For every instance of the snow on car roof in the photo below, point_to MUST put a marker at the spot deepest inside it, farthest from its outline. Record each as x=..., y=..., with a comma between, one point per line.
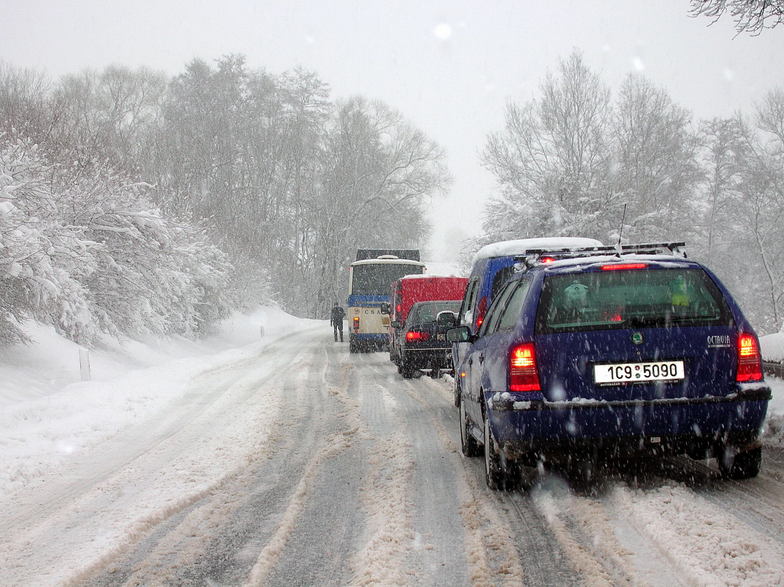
x=520, y=246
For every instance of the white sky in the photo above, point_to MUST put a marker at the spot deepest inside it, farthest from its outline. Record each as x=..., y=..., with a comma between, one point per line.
x=449, y=66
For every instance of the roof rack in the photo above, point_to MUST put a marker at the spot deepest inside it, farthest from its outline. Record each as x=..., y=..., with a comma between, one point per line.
x=531, y=257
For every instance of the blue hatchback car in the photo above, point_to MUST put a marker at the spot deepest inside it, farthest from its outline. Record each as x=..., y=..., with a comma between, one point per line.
x=642, y=352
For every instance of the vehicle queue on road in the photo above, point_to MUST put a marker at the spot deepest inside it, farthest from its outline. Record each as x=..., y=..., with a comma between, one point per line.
x=568, y=351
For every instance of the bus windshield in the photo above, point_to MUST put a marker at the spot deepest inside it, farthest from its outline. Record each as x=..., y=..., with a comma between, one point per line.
x=376, y=279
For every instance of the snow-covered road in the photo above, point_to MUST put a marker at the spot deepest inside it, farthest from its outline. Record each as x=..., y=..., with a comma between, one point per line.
x=295, y=462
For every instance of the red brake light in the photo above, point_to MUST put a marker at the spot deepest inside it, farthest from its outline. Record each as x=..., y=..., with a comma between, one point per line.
x=621, y=266
x=523, y=374
x=356, y=322
x=547, y=260
x=749, y=358
x=480, y=312
x=413, y=335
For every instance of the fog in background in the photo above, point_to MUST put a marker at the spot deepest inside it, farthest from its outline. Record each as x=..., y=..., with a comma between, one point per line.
x=448, y=67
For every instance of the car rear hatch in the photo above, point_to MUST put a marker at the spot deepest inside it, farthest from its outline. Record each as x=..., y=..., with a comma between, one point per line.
x=424, y=330
x=631, y=332
x=427, y=336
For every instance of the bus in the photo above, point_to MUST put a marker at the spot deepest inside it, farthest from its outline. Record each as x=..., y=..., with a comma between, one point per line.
x=370, y=278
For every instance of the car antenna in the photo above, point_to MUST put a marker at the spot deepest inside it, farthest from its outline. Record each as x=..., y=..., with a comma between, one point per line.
x=618, y=249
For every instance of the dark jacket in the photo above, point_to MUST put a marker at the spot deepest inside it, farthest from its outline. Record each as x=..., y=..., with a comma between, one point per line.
x=336, y=318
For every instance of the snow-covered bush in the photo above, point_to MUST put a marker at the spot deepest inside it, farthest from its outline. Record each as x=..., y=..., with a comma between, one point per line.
x=153, y=275
x=97, y=256
x=39, y=257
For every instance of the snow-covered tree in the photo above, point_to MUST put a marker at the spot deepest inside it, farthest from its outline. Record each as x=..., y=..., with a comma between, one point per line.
x=655, y=171
x=723, y=151
x=761, y=210
x=751, y=16
x=552, y=160
x=377, y=172
x=41, y=260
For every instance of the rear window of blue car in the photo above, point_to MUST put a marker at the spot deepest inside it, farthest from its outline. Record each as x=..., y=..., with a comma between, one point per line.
x=635, y=298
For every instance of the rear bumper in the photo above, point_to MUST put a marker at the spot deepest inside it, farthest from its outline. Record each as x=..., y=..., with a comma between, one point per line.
x=428, y=357
x=369, y=337
x=679, y=425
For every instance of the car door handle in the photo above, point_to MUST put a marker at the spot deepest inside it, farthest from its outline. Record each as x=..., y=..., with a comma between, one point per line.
x=470, y=361
x=481, y=358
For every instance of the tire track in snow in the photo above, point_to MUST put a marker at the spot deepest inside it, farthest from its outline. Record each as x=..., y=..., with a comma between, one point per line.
x=173, y=538
x=389, y=527
x=385, y=492
x=765, y=512
x=560, y=510
x=63, y=543
x=488, y=540
x=333, y=446
x=703, y=541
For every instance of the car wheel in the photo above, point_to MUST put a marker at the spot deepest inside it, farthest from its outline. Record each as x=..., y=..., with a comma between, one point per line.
x=456, y=392
x=739, y=465
x=468, y=444
x=406, y=370
x=495, y=475
x=352, y=346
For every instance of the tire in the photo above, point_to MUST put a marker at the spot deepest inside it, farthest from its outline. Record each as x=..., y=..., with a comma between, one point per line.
x=456, y=392
x=406, y=370
x=495, y=475
x=468, y=444
x=352, y=346
x=739, y=465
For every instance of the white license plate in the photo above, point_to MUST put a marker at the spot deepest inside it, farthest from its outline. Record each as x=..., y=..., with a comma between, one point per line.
x=638, y=372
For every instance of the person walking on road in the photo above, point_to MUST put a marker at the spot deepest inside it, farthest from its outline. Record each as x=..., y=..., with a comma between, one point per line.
x=336, y=320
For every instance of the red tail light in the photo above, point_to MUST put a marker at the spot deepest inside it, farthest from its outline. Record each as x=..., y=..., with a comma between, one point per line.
x=523, y=374
x=547, y=260
x=413, y=335
x=356, y=322
x=621, y=266
x=749, y=358
x=480, y=312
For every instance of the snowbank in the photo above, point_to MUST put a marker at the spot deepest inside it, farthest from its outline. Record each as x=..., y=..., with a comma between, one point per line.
x=772, y=347
x=774, y=425
x=47, y=413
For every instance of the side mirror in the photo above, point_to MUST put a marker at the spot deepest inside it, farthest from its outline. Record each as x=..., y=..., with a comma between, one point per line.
x=386, y=308
x=396, y=324
x=459, y=334
x=447, y=318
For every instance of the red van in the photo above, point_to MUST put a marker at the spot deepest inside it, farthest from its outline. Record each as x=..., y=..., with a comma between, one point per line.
x=410, y=289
